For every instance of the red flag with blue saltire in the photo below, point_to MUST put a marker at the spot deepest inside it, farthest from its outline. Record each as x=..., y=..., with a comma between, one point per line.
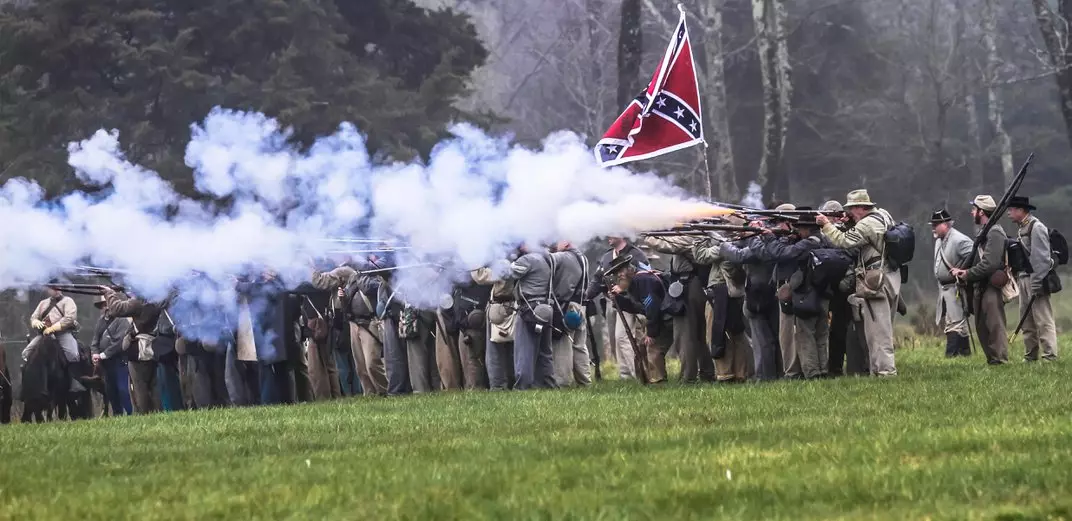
x=665, y=117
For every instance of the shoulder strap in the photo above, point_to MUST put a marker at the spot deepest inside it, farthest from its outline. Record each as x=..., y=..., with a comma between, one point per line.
x=48, y=309
x=582, y=286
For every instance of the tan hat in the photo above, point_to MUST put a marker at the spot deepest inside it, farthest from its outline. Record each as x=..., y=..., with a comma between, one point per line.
x=785, y=207
x=984, y=203
x=831, y=206
x=858, y=198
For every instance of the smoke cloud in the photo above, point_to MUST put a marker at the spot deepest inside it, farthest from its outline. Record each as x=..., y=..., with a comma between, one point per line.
x=475, y=200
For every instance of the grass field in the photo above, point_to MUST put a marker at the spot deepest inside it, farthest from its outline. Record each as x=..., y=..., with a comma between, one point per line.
x=945, y=440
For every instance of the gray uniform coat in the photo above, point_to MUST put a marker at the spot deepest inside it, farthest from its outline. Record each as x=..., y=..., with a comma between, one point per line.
x=951, y=252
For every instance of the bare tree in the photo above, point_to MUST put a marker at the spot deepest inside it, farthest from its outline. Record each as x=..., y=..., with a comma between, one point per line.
x=720, y=143
x=1054, y=26
x=771, y=21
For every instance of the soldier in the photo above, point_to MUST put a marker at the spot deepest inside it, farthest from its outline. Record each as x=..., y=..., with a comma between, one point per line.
x=989, y=305
x=358, y=290
x=878, y=284
x=640, y=293
x=571, y=284
x=502, y=319
x=724, y=318
x=848, y=354
x=615, y=343
x=760, y=304
x=533, y=358
x=55, y=316
x=951, y=250
x=1035, y=306
x=144, y=317
x=106, y=349
x=690, y=329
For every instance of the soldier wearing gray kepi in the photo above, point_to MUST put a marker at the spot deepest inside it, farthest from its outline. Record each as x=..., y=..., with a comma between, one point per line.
x=570, y=285
x=878, y=284
x=987, y=279
x=951, y=250
x=1035, y=307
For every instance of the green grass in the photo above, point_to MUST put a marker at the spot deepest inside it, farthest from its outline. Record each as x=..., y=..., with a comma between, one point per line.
x=945, y=440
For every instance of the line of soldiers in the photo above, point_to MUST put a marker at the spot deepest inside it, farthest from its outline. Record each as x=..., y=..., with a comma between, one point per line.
x=812, y=296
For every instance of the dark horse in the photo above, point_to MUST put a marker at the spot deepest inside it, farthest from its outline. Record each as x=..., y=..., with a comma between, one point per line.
x=45, y=382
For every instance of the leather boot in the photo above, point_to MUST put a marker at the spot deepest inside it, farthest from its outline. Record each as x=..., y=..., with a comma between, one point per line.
x=952, y=345
x=965, y=345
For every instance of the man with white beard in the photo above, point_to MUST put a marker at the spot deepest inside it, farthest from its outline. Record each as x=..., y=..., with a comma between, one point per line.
x=951, y=250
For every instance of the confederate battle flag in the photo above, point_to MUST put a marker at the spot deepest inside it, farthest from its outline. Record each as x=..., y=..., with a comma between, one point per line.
x=665, y=117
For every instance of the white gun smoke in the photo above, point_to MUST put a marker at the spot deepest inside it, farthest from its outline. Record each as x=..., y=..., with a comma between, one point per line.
x=477, y=198
x=754, y=198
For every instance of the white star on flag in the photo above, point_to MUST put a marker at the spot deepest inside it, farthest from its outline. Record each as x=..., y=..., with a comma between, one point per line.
x=612, y=150
x=680, y=113
x=662, y=102
x=693, y=126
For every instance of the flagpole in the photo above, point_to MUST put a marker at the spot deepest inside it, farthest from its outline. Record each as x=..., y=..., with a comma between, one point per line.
x=707, y=171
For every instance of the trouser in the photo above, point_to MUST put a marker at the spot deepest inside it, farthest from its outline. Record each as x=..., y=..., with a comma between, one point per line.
x=421, y=351
x=570, y=353
x=299, y=368
x=396, y=358
x=117, y=385
x=169, y=383
x=764, y=328
x=1039, y=327
x=471, y=345
x=5, y=399
x=349, y=384
x=655, y=361
x=448, y=355
x=857, y=355
x=277, y=383
x=368, y=359
x=622, y=345
x=533, y=359
x=730, y=349
x=810, y=343
x=66, y=341
x=840, y=318
x=500, y=363
x=610, y=321
x=323, y=370
x=143, y=386
x=956, y=331
x=691, y=335
x=242, y=379
x=990, y=324
x=207, y=379
x=878, y=326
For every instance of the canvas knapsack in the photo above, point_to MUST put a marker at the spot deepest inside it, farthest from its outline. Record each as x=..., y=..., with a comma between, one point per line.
x=1058, y=247
x=827, y=266
x=899, y=243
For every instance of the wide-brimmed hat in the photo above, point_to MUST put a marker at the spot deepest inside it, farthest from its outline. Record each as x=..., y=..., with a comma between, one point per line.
x=941, y=216
x=858, y=198
x=53, y=283
x=806, y=219
x=619, y=263
x=984, y=203
x=99, y=301
x=1023, y=203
